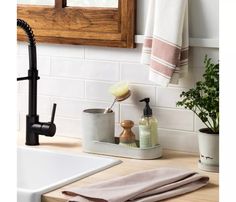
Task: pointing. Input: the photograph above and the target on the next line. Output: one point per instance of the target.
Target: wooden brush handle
(127, 136)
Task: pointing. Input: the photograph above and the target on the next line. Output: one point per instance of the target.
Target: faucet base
(32, 138)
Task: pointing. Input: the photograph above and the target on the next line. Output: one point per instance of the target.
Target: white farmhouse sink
(40, 171)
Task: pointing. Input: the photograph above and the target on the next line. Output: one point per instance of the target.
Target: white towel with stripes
(166, 41)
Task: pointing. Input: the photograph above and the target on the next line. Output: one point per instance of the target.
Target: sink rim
(69, 180)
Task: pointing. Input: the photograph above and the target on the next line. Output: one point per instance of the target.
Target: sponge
(119, 89)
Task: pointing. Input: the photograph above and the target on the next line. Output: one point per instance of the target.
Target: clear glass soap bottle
(148, 136)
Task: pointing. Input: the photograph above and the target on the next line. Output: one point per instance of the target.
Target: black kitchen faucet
(34, 128)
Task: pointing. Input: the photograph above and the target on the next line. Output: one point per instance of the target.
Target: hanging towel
(145, 186)
(166, 41)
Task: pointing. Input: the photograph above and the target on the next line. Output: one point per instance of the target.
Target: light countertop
(209, 193)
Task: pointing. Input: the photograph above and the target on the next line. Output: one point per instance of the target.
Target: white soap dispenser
(147, 127)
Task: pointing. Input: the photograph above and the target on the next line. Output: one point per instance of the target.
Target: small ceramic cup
(98, 126)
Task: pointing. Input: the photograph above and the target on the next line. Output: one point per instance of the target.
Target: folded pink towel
(145, 186)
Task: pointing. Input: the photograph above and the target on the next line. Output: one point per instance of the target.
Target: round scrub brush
(127, 137)
(120, 91)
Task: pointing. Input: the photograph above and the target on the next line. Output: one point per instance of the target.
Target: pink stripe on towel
(147, 43)
(163, 69)
(166, 51)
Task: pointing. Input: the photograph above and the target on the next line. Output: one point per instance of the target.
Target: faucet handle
(53, 112)
(47, 129)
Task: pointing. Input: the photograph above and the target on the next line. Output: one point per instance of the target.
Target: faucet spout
(33, 127)
(32, 72)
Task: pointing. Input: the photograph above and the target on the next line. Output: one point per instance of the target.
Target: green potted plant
(203, 100)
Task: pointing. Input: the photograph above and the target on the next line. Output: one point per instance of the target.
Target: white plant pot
(209, 151)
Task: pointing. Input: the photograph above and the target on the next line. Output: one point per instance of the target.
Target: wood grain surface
(78, 25)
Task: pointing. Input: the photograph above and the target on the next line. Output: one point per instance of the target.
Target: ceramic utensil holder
(97, 126)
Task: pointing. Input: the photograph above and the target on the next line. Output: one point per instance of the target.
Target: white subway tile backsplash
(167, 118)
(197, 55)
(60, 50)
(196, 63)
(167, 97)
(68, 127)
(79, 77)
(43, 104)
(178, 140)
(43, 65)
(135, 72)
(118, 130)
(131, 112)
(86, 69)
(22, 86)
(70, 88)
(174, 119)
(22, 65)
(22, 102)
(113, 54)
(98, 91)
(69, 108)
(22, 48)
(139, 92)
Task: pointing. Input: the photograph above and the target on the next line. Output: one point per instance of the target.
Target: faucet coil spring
(28, 30)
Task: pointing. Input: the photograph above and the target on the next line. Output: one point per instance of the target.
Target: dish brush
(121, 92)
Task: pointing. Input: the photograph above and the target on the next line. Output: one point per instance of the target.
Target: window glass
(93, 3)
(37, 2)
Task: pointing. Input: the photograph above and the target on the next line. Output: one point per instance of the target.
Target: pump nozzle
(147, 100)
(147, 111)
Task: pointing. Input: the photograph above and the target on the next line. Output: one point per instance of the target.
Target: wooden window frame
(112, 27)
